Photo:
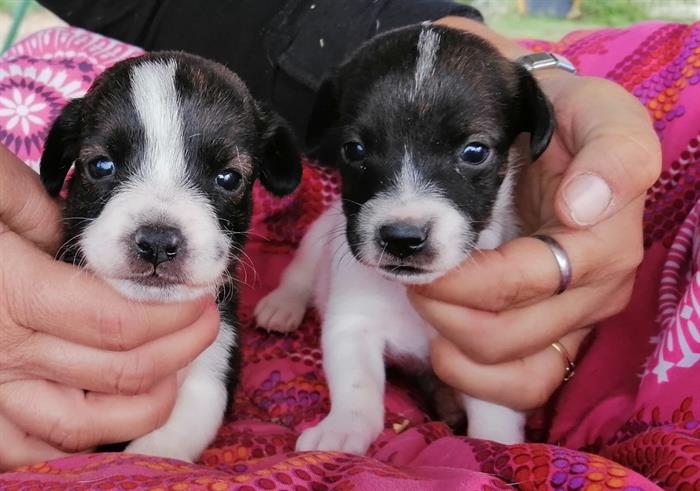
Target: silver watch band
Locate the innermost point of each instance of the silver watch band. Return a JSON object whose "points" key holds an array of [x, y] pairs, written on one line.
{"points": [[542, 61]]}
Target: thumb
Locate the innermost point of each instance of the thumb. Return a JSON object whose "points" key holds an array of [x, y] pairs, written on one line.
{"points": [[25, 206], [615, 161]]}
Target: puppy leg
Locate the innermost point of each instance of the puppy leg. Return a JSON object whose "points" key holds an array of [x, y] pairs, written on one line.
{"points": [[489, 421], [353, 360], [199, 409], [283, 309]]}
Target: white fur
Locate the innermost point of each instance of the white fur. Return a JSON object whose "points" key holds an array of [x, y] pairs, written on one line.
{"points": [[199, 408], [411, 199], [155, 98], [365, 310], [366, 315], [428, 45], [160, 193]]}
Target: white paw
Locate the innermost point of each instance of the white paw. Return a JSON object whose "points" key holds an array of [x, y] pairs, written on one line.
{"points": [[340, 433], [489, 421], [281, 310], [508, 432], [164, 445]]}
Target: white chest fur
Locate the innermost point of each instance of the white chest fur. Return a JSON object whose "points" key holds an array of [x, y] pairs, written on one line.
{"points": [[345, 286], [365, 318]]}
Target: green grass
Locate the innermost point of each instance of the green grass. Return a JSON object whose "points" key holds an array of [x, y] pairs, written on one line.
{"points": [[535, 27], [595, 14]]}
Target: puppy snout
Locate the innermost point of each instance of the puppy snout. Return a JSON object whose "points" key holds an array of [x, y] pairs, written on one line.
{"points": [[402, 240], [157, 244]]}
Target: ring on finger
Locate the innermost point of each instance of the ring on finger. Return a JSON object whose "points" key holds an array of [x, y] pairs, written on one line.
{"points": [[569, 366], [562, 259]]}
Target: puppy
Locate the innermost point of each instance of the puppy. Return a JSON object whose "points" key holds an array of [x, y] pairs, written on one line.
{"points": [[422, 124], [166, 148]]}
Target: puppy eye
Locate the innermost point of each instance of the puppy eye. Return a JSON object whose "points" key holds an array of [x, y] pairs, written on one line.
{"points": [[475, 153], [101, 168], [229, 180], [353, 151]]}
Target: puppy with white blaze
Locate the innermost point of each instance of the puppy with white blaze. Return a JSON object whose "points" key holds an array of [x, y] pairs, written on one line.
{"points": [[166, 148], [422, 124]]}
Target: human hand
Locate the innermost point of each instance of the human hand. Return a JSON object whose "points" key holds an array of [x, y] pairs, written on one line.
{"points": [[64, 332], [496, 315]]}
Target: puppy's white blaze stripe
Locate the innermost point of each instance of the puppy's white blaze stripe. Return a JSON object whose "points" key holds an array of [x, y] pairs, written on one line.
{"points": [[428, 45], [409, 181], [156, 101]]}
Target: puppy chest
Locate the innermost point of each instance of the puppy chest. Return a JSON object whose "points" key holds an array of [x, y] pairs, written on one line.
{"points": [[407, 340]]}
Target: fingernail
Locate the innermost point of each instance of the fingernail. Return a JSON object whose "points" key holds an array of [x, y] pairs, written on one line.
{"points": [[587, 196]]}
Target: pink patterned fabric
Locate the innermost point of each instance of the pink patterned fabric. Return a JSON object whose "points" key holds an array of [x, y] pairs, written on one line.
{"points": [[630, 419]]}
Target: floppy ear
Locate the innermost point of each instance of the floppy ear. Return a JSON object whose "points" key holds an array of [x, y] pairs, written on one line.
{"points": [[537, 115], [324, 116], [61, 147], [280, 160]]}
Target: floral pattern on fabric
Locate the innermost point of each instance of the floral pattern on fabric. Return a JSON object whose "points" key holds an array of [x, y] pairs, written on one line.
{"points": [[629, 419]]}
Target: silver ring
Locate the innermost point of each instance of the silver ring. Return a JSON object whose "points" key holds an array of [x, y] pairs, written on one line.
{"points": [[562, 259]]}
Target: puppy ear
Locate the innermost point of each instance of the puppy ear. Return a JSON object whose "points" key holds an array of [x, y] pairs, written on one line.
{"points": [[280, 160], [537, 115], [61, 147], [324, 116]]}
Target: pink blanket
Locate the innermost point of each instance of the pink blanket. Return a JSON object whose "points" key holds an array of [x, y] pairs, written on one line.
{"points": [[629, 419]]}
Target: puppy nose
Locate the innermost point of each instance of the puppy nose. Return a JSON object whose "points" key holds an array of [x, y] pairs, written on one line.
{"points": [[401, 239], [157, 243]]}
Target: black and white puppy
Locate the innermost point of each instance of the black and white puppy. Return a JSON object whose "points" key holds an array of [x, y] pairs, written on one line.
{"points": [[166, 148], [422, 124]]}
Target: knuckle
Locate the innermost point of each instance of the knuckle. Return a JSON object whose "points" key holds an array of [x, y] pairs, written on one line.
{"points": [[16, 353], [486, 354], [508, 295], [536, 395], [442, 365], [68, 435], [643, 156], [536, 388], [488, 347], [132, 373], [621, 298], [113, 331]]}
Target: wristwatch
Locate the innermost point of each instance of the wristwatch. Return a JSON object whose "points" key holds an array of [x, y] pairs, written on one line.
{"points": [[542, 61]]}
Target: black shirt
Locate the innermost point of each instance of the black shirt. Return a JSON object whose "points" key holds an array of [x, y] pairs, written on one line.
{"points": [[280, 48]]}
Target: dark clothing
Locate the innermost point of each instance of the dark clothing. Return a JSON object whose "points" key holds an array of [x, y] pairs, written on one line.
{"points": [[280, 48]]}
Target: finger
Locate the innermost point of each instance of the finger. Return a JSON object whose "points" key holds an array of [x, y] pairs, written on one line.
{"points": [[524, 271], [617, 158], [490, 338], [72, 420], [25, 206], [521, 384], [101, 318], [17, 448], [124, 372], [520, 271]]}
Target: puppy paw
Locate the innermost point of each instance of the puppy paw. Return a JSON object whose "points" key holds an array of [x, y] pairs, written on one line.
{"points": [[506, 431], [282, 310], [163, 445], [339, 433]]}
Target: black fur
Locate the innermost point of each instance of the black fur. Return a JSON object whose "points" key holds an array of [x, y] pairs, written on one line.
{"points": [[221, 122], [471, 94], [474, 93]]}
